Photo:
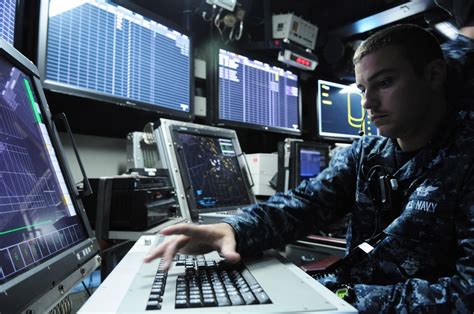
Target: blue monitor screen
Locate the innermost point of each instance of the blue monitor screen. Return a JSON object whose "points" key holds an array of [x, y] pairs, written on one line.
{"points": [[100, 48], [310, 163], [340, 112], [256, 94], [7, 20], [307, 160]]}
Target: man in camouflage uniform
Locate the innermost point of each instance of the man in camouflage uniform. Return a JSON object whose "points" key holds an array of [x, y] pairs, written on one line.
{"points": [[420, 224]]}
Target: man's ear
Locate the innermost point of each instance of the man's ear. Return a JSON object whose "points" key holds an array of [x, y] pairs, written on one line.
{"points": [[435, 73]]}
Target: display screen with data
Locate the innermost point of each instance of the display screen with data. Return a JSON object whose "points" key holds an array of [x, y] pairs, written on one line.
{"points": [[307, 160], [340, 112], [254, 94], [98, 49], [211, 165], [7, 20], [37, 217], [311, 163]]}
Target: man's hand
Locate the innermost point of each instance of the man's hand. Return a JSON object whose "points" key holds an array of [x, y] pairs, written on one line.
{"points": [[196, 239]]}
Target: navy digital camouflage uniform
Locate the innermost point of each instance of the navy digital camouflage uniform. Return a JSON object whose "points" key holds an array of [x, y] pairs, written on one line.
{"points": [[425, 262], [459, 54]]}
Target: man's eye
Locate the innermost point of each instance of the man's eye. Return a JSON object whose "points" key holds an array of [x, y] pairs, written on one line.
{"points": [[384, 83]]}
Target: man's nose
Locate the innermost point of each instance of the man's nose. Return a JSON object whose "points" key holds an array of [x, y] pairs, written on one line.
{"points": [[369, 100], [365, 103]]}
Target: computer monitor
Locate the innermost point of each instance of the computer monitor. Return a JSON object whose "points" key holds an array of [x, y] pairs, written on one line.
{"points": [[340, 115], [307, 160], [254, 94], [46, 243], [117, 53], [207, 166], [7, 20]]}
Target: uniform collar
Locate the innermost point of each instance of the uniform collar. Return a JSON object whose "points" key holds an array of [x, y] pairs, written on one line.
{"points": [[429, 157], [461, 43]]}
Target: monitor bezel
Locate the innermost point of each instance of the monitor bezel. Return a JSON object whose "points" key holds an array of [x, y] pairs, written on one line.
{"points": [[295, 150], [244, 125], [29, 286], [66, 89], [185, 176], [328, 135]]}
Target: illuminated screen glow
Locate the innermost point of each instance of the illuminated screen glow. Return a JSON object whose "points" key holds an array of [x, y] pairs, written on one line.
{"points": [[7, 20], [255, 93], [38, 219], [98, 47], [340, 112]]}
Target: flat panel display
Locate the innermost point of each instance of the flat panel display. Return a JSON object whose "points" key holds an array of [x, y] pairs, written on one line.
{"points": [[307, 160], [207, 167], [106, 51], [310, 163], [340, 112], [44, 234], [213, 170], [255, 94]]}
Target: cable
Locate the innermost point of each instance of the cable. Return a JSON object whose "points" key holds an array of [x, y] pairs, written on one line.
{"points": [[113, 247], [373, 171], [85, 287], [217, 21], [361, 129], [241, 28]]}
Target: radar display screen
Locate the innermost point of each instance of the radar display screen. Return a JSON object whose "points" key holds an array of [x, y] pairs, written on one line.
{"points": [[216, 180]]}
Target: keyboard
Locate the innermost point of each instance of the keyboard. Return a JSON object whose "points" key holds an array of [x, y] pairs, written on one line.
{"points": [[206, 284]]}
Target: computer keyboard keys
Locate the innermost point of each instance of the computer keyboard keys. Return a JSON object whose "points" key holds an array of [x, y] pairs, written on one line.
{"points": [[235, 299], [249, 298], [181, 303], [223, 301], [195, 302], [211, 301], [208, 284], [153, 305], [262, 297]]}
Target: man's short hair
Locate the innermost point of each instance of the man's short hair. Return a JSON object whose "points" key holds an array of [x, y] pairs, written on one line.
{"points": [[418, 45]]}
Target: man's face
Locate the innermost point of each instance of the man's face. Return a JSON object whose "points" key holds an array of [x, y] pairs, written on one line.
{"points": [[397, 100]]}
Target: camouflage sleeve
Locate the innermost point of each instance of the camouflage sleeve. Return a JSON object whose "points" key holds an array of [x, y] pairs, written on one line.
{"points": [[459, 55], [289, 216], [445, 295]]}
